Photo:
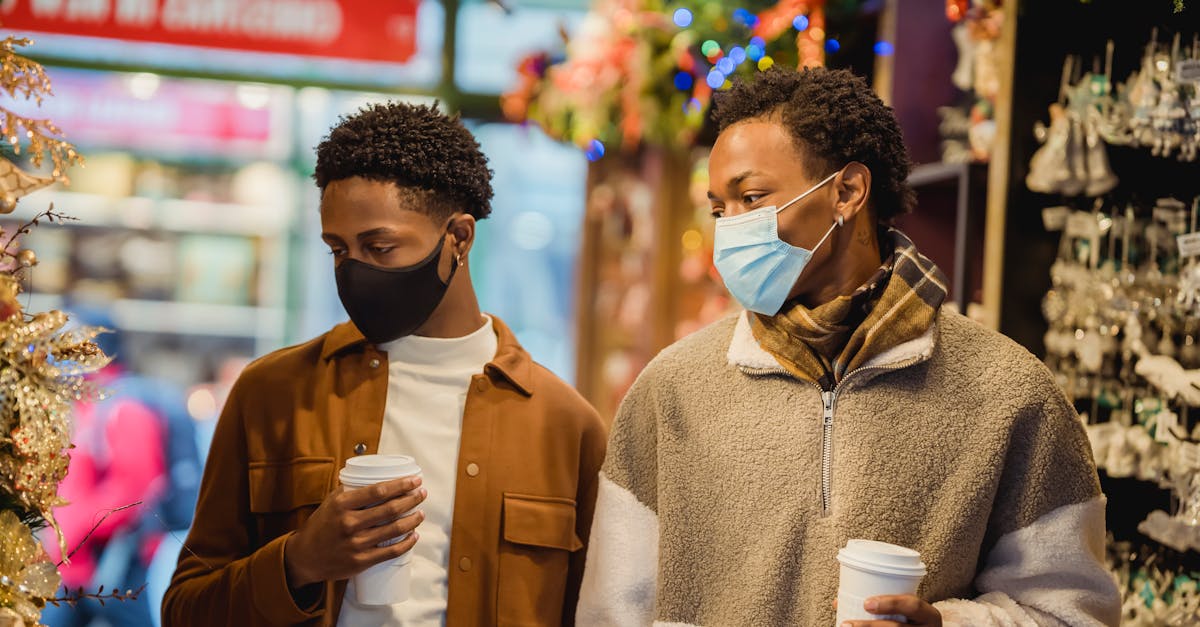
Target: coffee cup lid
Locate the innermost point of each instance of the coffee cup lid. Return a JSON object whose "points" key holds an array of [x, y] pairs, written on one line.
{"points": [[376, 468], [882, 557]]}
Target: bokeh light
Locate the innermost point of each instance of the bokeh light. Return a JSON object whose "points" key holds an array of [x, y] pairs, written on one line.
{"points": [[683, 81], [595, 150], [683, 18], [884, 49], [800, 23], [715, 78], [832, 45]]}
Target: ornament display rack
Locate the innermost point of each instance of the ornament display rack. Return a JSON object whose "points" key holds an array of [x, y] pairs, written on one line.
{"points": [[242, 314], [262, 321], [1023, 251]]}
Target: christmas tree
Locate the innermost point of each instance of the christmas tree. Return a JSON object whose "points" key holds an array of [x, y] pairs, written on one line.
{"points": [[42, 362]]}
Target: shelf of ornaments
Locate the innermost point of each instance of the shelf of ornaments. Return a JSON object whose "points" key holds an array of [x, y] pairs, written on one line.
{"points": [[167, 214], [265, 324], [266, 225]]}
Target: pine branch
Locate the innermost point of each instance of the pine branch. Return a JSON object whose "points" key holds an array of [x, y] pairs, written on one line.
{"points": [[74, 597], [93, 530], [19, 75], [24, 78], [49, 215]]}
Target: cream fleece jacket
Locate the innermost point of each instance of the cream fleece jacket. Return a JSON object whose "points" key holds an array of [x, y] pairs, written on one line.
{"points": [[720, 503]]}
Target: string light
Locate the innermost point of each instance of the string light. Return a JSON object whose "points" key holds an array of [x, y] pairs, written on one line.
{"points": [[800, 23], [683, 18], [715, 79], [595, 150]]}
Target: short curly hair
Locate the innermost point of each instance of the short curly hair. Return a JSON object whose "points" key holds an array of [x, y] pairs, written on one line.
{"points": [[834, 118], [430, 156]]}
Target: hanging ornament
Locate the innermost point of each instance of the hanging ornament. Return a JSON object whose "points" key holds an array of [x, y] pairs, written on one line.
{"points": [[15, 183]]}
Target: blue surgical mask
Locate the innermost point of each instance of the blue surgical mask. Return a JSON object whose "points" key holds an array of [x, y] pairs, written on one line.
{"points": [[757, 266]]}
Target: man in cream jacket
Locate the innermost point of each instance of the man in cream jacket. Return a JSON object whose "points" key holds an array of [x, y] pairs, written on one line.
{"points": [[845, 402]]}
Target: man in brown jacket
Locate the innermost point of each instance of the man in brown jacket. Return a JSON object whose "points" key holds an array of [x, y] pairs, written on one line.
{"points": [[509, 453]]}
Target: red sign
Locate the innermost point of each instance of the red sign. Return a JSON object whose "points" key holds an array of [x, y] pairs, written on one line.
{"points": [[369, 30]]}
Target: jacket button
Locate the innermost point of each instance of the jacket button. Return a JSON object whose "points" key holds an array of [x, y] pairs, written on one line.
{"points": [[464, 564], [360, 448], [472, 469], [374, 363]]}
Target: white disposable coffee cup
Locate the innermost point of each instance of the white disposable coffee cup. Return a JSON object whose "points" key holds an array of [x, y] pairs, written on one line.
{"points": [[386, 583], [871, 568]]}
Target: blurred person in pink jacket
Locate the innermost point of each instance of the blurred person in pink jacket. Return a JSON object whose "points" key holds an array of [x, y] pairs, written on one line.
{"points": [[118, 461]]}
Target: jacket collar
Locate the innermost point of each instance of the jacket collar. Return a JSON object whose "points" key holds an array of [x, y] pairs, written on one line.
{"points": [[745, 353], [511, 362]]}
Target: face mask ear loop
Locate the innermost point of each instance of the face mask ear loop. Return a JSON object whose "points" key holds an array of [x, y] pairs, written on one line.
{"points": [[828, 233], [811, 190]]}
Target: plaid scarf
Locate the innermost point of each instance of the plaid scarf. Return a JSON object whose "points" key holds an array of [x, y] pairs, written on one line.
{"points": [[899, 303]]}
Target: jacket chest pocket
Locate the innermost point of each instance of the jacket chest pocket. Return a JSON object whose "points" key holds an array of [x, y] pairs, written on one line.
{"points": [[283, 494], [535, 555]]}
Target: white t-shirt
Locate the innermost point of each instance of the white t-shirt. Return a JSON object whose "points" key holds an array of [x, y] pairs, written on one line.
{"points": [[428, 380]]}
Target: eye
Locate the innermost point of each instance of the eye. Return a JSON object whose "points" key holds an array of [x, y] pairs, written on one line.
{"points": [[337, 252], [381, 249], [751, 199], [718, 212]]}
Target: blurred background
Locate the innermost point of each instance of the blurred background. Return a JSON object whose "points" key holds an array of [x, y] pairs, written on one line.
{"points": [[196, 238]]}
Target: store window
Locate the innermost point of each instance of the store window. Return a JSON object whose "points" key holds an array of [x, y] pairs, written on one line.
{"points": [[492, 40], [525, 259], [184, 208]]}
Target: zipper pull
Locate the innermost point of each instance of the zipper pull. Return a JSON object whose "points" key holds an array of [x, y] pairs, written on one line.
{"points": [[827, 397]]}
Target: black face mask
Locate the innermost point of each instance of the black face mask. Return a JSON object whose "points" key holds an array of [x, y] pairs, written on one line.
{"points": [[390, 303]]}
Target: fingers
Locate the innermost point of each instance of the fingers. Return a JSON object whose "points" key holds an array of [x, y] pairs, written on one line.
{"points": [[391, 530], [368, 496], [384, 513], [383, 554], [916, 610]]}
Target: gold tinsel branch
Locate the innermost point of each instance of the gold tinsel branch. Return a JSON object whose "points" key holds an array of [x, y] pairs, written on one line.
{"points": [[23, 78]]}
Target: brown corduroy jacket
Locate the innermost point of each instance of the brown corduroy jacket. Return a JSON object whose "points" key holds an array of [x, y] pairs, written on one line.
{"points": [[528, 460]]}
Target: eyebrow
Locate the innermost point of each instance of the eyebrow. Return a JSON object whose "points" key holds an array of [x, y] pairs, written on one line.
{"points": [[362, 236], [735, 181]]}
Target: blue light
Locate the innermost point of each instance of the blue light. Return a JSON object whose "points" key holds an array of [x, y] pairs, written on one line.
{"points": [[691, 106], [754, 52], [800, 23], [683, 18], [759, 42], [737, 54], [595, 150], [884, 49], [832, 45], [726, 66], [683, 81], [751, 20], [741, 16], [715, 78]]}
